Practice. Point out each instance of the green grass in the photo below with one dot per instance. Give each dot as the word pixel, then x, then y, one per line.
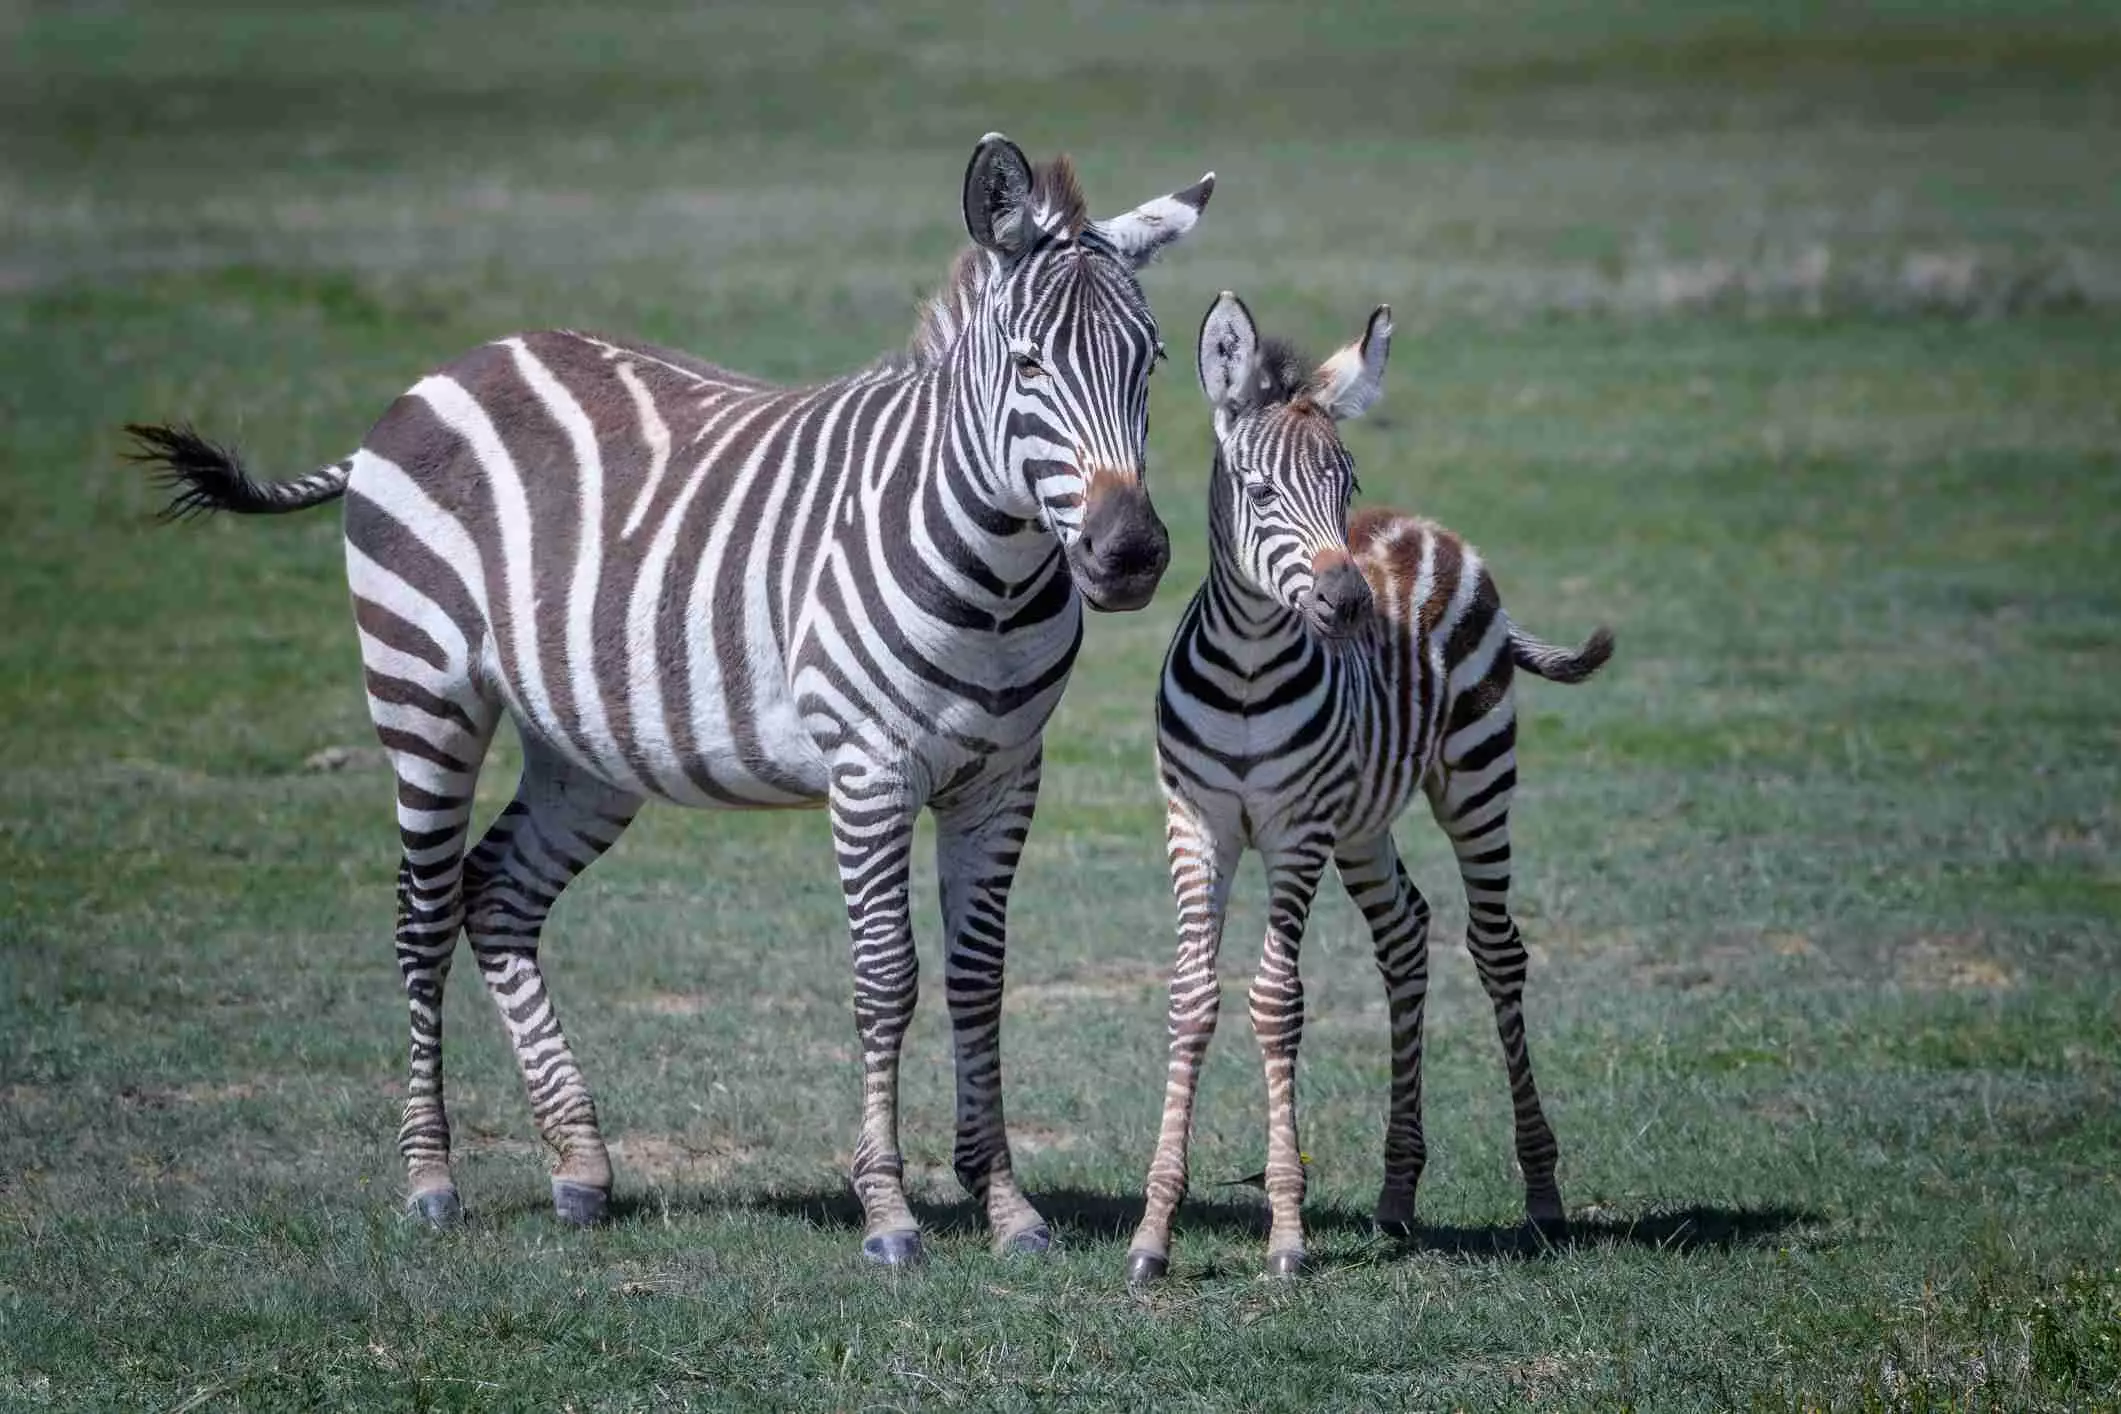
pixel 1784 337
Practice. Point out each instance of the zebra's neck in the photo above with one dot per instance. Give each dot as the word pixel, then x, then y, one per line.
pixel 987 529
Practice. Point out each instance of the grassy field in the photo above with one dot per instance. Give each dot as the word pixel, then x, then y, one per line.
pixel 1784 337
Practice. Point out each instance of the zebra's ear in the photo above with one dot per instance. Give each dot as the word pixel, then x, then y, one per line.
pixel 1346 384
pixel 998 196
pixel 1228 355
pixel 1143 232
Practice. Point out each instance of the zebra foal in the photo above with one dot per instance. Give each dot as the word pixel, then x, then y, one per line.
pixel 1325 673
pixel 686 584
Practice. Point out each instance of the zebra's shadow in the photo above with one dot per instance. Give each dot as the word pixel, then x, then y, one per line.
pixel 1088 1218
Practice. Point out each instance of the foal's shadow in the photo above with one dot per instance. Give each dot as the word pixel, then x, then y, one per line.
pixel 1084 1218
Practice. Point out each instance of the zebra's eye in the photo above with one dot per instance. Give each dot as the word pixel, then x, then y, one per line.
pixel 1028 367
pixel 1262 493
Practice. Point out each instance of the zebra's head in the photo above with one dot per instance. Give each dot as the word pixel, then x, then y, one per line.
pixel 1283 478
pixel 1064 341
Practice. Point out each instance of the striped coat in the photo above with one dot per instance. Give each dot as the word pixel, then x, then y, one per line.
pixel 689 585
pixel 1327 673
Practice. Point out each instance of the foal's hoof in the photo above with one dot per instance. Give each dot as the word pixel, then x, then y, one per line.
pixel 1285 1264
pixel 1031 1242
pixel 437 1207
pixel 894 1249
pixel 579 1205
pixel 1146 1268
pixel 1397 1229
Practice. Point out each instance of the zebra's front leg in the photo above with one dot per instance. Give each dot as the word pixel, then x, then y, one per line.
pixel 1293 870
pixel 979 840
pixel 872 830
pixel 1202 860
pixel 1398 916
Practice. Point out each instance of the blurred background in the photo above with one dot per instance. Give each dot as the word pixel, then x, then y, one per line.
pixel 1785 337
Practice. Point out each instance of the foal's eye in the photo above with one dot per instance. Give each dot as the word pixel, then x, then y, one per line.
pixel 1028 367
pixel 1262 493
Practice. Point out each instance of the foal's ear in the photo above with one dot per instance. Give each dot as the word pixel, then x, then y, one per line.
pixel 1147 229
pixel 1228 355
pixel 998 196
pixel 1346 384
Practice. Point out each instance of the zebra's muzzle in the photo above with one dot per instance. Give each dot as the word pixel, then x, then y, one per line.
pixel 1120 555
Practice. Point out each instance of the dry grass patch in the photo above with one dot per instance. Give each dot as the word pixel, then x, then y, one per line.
pixel 1107 982
pixel 1957 962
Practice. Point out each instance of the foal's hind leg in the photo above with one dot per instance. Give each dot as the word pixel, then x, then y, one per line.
pixel 1399 930
pixel 560 821
pixel 1470 796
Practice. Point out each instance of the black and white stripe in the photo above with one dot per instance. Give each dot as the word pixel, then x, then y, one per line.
pixel 1325 674
pixel 684 584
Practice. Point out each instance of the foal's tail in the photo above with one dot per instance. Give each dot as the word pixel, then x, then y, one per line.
pixel 1561 664
pixel 207 477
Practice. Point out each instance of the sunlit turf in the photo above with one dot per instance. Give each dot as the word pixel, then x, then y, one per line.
pixel 1783 340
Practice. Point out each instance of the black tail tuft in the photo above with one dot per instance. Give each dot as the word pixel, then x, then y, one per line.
pixel 1560 664
pixel 208 477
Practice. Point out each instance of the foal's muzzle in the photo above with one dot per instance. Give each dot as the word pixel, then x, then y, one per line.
pixel 1339 602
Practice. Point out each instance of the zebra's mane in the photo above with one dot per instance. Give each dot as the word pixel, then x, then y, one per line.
pixel 1057 206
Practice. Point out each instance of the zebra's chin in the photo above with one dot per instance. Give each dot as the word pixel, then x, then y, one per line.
pixel 1122 598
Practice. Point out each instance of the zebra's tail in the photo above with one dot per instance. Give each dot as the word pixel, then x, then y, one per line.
pixel 1561 664
pixel 207 477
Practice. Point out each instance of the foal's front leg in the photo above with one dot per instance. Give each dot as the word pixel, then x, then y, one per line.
pixel 1203 857
pixel 1293 871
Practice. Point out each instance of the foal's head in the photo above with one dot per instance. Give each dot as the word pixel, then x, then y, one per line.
pixel 1282 475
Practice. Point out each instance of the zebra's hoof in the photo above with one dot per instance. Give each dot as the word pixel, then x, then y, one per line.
pixel 1396 1229
pixel 894 1249
pixel 1285 1264
pixel 1032 1242
pixel 1547 1230
pixel 1146 1268
pixel 579 1205
pixel 439 1208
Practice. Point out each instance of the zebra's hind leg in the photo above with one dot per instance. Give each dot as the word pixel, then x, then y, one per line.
pixel 436 744
pixel 1202 860
pixel 1398 916
pixel 1277 998
pixel 978 843
pixel 1471 800
pixel 561 820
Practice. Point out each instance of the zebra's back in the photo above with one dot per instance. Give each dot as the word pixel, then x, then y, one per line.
pixel 594 531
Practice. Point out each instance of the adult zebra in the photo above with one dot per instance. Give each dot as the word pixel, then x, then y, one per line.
pixel 689 585
pixel 1325 673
